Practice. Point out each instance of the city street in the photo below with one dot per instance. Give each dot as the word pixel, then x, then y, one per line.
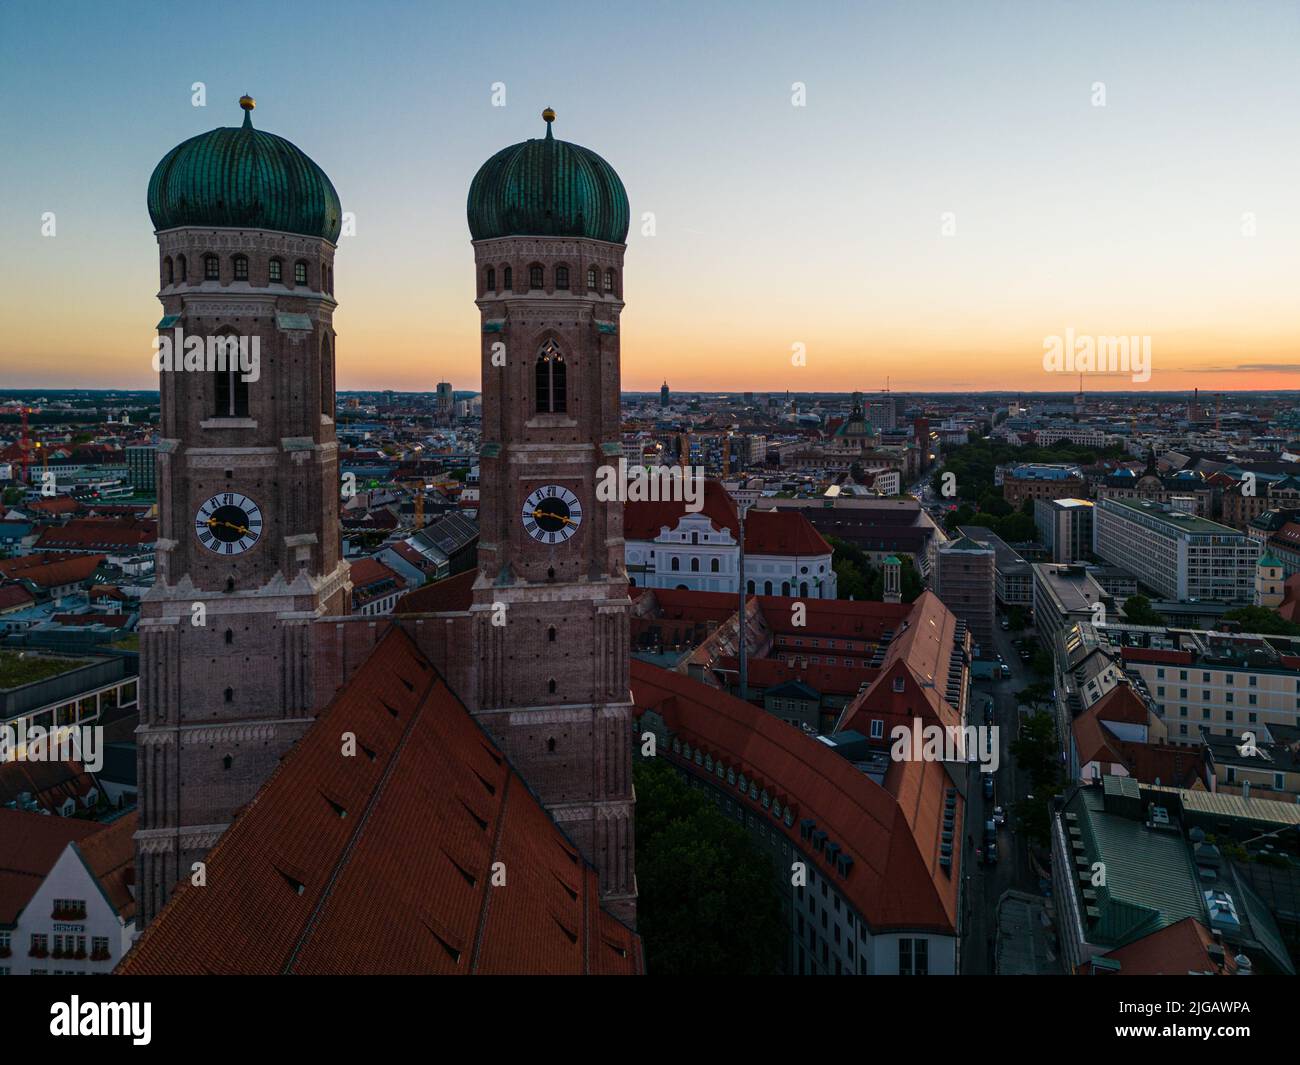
pixel 985 884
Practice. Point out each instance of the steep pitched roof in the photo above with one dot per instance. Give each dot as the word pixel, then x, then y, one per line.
pixel 449 595
pixel 892 833
pixel 382 862
pixel 30 844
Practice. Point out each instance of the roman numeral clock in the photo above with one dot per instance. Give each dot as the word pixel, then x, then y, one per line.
pixel 228 523
pixel 551 514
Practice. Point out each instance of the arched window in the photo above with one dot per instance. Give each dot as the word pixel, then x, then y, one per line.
pixel 240 264
pixel 676 564
pixel 695 565
pixel 767 587
pixel 550 634
pixel 593 279
pixel 230 389
pixel 803 588
pixel 328 271
pixel 491 280
pixel 276 270
pixel 211 268
pixel 300 273
pixel 550 743
pixel 230 636
pixel 551 382
pixel 750 587
pixel 534 276
pixel 550 685
pixel 230 695
pixel 785 587
pixel 713 565
pixel 508 279
pixel 326 378
pixel 562 277
pixel 168 270
pixel 609 280
pixel 180 269
pixel 227 762
pixel 230 584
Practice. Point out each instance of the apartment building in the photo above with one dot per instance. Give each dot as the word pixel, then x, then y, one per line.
pixel 1065 528
pixel 1178 555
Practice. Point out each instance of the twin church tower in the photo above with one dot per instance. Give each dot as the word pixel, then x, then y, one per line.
pixel 245 635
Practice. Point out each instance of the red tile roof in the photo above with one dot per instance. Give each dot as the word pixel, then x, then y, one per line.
pixel 892 833
pixel 1176 950
pixel 382 862
pixel 98 534
pixel 48 570
pixel 110 855
pixel 767 532
pixel 15 597
pixel 30 844
pixel 447 596
pixel 364 571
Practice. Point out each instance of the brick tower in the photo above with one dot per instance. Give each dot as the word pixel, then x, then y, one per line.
pixel 551 611
pixel 248 486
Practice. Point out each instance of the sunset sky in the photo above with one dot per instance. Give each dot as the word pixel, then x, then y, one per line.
pixel 775 225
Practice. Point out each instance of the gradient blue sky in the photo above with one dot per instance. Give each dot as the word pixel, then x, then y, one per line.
pixel 776 225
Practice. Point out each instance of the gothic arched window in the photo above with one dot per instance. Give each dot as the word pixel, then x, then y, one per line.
pixel 276 270
pixel 508 279
pixel 491 280
pixel 609 280
pixel 551 383
pixel 211 268
pixel 180 268
pixel 169 270
pixel 562 277
pixel 230 389
pixel 240 264
pixel 593 279
pixel 300 273
pixel 534 276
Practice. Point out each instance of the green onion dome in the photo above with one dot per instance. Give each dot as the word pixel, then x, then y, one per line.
pixel 240 177
pixel 547 188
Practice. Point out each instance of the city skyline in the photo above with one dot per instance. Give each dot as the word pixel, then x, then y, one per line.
pixel 1124 219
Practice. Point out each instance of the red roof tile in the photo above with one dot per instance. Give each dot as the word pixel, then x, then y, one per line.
pixel 447 596
pixel 48 570
pixel 382 862
pixel 892 833
pixel 30 844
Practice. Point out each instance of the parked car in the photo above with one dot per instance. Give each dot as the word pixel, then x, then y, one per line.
pixel 999 816
pixel 1006 671
pixel 988 787
pixel 1005 623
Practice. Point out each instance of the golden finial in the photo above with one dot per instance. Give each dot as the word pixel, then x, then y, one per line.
pixel 548 116
pixel 247 102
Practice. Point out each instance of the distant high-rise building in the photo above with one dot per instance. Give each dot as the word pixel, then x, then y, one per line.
pixel 663 395
pixel 445 402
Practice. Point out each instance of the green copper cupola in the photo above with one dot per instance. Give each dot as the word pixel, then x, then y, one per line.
pixel 547 188
pixel 241 177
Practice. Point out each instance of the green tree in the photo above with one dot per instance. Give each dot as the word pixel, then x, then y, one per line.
pixel 1138 611
pixel 1037 754
pixel 1258 619
pixel 708 902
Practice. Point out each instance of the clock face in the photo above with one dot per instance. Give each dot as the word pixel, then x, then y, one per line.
pixel 551 514
pixel 228 523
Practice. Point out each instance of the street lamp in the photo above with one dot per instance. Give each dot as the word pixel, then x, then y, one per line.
pixel 745 498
